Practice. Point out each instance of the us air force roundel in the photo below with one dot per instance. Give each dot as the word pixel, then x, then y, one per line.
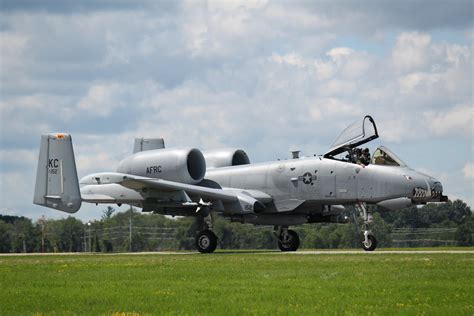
pixel 307 178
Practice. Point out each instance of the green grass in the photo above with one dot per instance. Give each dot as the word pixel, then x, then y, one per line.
pixel 238 283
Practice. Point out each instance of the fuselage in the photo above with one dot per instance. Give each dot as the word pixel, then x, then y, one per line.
pixel 304 184
pixel 327 181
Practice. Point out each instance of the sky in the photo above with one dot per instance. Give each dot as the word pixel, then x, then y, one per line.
pixel 264 76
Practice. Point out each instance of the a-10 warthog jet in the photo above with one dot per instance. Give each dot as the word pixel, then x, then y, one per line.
pixel 188 182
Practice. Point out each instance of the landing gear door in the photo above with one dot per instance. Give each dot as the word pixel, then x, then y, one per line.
pixel 356 134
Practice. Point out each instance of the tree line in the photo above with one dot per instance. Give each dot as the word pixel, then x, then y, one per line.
pixel 451 223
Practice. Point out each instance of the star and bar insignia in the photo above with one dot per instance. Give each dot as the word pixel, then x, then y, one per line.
pixel 307 178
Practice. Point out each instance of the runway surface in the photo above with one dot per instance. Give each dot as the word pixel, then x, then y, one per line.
pixel 260 252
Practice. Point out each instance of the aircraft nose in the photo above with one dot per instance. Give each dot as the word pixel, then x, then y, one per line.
pixel 437 190
pixel 437 187
pixel 428 188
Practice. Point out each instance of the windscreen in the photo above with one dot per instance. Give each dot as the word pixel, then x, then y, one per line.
pixel 385 157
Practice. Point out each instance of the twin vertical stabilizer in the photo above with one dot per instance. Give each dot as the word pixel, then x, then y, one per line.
pixel 57 185
pixel 143 144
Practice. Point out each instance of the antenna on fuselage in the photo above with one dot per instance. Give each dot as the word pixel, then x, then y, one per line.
pixel 295 154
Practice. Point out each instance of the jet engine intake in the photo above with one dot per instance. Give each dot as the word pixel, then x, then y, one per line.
pixel 180 165
pixel 226 158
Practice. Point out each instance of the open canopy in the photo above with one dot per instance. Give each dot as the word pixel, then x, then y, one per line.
pixel 356 134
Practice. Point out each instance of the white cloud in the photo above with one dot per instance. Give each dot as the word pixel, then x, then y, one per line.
pixel 411 51
pixel 331 107
pixel 101 100
pixel 416 82
pixel 232 5
pixel 289 59
pixel 324 70
pixel 12 46
pixel 18 157
pixel 456 121
pixel 468 170
pixel 455 54
pixel 340 53
pixel 295 19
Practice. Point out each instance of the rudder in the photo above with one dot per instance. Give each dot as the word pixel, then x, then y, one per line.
pixel 57 185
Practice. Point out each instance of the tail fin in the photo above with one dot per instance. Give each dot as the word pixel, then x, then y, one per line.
pixel 57 185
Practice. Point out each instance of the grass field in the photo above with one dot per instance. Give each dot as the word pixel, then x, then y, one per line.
pixel 238 283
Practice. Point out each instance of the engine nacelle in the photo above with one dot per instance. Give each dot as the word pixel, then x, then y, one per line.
pixel 180 165
pixel 226 158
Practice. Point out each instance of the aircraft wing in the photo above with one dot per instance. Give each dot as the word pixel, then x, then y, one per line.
pixel 232 200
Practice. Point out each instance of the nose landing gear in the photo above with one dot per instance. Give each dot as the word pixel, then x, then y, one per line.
pixel 288 239
pixel 369 243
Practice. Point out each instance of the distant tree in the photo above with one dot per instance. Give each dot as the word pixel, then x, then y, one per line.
pixel 71 238
pixel 25 237
pixel 459 212
pixel 5 237
pixel 186 232
pixel 382 231
pixel 108 247
pixel 464 234
pixel 96 244
pixel 107 213
pixel 10 219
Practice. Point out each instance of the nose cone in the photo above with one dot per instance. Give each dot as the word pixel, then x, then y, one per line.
pixel 436 186
pixel 434 189
pixel 437 191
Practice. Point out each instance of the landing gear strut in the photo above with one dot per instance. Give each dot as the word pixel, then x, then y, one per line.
pixel 369 243
pixel 206 240
pixel 288 239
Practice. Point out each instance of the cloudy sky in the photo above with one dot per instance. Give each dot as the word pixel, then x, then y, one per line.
pixel 264 76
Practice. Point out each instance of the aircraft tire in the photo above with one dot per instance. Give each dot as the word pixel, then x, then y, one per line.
pixel 206 241
pixel 371 245
pixel 292 243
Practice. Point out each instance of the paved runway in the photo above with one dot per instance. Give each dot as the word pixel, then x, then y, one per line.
pixel 260 252
pixel 380 252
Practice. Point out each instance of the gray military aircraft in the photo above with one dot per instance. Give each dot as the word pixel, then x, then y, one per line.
pixel 188 182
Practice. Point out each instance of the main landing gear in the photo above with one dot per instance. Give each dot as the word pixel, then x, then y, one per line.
pixel 206 240
pixel 369 243
pixel 288 239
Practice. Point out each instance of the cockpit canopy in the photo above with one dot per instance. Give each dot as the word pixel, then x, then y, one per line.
pixel 356 134
pixel 385 157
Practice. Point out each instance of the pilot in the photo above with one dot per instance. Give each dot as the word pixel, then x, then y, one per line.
pixel 364 158
pixel 356 155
